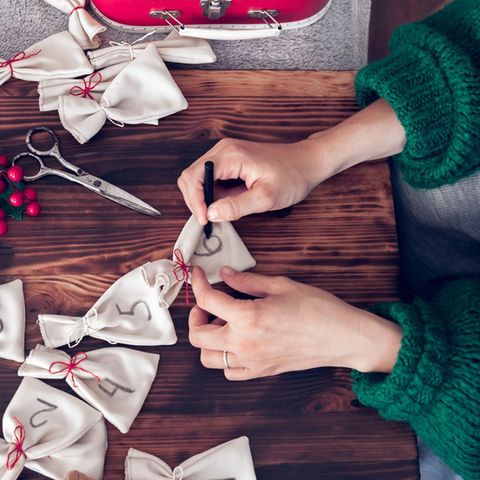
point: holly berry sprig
(16, 199)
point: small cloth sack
(134, 311)
(52, 433)
(229, 461)
(12, 321)
(173, 48)
(92, 87)
(58, 56)
(224, 248)
(83, 27)
(143, 92)
(114, 380)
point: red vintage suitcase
(212, 19)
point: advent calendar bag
(211, 19)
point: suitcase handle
(220, 34)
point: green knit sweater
(432, 81)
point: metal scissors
(79, 176)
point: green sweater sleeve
(435, 383)
(432, 80)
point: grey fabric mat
(338, 41)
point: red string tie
(89, 84)
(75, 361)
(182, 271)
(16, 451)
(80, 7)
(16, 58)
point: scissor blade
(117, 195)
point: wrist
(378, 344)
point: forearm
(372, 133)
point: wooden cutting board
(305, 425)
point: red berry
(2, 214)
(16, 199)
(3, 228)
(30, 194)
(4, 161)
(3, 186)
(15, 173)
(33, 209)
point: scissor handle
(42, 169)
(54, 150)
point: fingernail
(212, 214)
(228, 271)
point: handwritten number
(116, 386)
(133, 307)
(210, 251)
(50, 408)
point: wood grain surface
(305, 425)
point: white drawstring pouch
(224, 248)
(143, 92)
(114, 380)
(229, 461)
(83, 27)
(92, 87)
(173, 48)
(52, 433)
(12, 321)
(57, 56)
(133, 311)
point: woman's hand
(278, 175)
(275, 176)
(290, 327)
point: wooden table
(305, 425)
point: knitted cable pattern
(435, 384)
(432, 81)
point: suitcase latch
(214, 9)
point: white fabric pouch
(58, 56)
(133, 311)
(142, 92)
(114, 380)
(52, 433)
(12, 321)
(173, 48)
(83, 27)
(229, 461)
(92, 87)
(224, 248)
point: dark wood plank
(387, 15)
(301, 425)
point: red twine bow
(80, 7)
(17, 445)
(75, 361)
(16, 58)
(182, 271)
(93, 80)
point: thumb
(250, 283)
(233, 207)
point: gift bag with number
(133, 311)
(52, 433)
(224, 248)
(114, 380)
(12, 321)
(229, 461)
